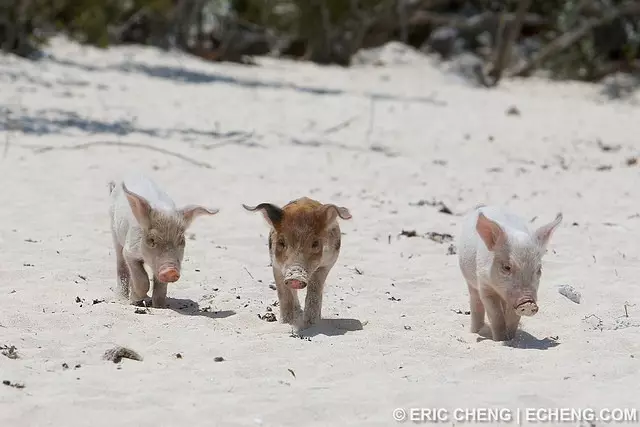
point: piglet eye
(539, 271)
(506, 268)
(182, 242)
(151, 242)
(315, 245)
(281, 244)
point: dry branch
(124, 144)
(506, 42)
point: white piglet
(147, 228)
(501, 261)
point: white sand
(415, 352)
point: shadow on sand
(189, 307)
(522, 340)
(183, 75)
(332, 327)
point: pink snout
(295, 284)
(526, 306)
(169, 274)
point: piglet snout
(295, 277)
(526, 307)
(169, 274)
(295, 284)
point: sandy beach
(394, 144)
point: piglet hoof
(159, 303)
(527, 308)
(144, 302)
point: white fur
(491, 289)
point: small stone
(570, 293)
(218, 359)
(513, 111)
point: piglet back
(145, 187)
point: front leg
(287, 299)
(493, 306)
(139, 280)
(159, 295)
(313, 301)
(511, 322)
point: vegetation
(574, 39)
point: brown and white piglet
(304, 244)
(147, 228)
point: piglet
(304, 244)
(501, 261)
(147, 228)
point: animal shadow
(332, 327)
(189, 307)
(522, 340)
(525, 340)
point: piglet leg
(313, 301)
(512, 319)
(122, 270)
(477, 310)
(493, 305)
(288, 299)
(159, 295)
(139, 280)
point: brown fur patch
(302, 214)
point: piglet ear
(191, 212)
(272, 213)
(332, 212)
(139, 206)
(544, 233)
(490, 232)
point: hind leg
(124, 276)
(477, 310)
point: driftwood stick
(506, 42)
(124, 144)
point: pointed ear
(490, 232)
(544, 233)
(139, 206)
(191, 212)
(331, 212)
(272, 213)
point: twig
(125, 144)
(626, 304)
(506, 42)
(371, 119)
(340, 126)
(249, 273)
(116, 33)
(401, 9)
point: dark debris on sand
(118, 353)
